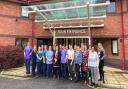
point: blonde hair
(101, 47)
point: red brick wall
(12, 24)
(40, 32)
(8, 8)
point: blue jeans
(77, 71)
(27, 64)
(49, 70)
(64, 70)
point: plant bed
(11, 57)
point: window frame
(113, 46)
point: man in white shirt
(93, 63)
(70, 56)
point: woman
(39, 56)
(101, 53)
(78, 62)
(93, 63)
(49, 62)
(85, 64)
(64, 62)
(56, 66)
(34, 58)
(70, 56)
(42, 60)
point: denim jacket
(78, 57)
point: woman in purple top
(27, 57)
(64, 62)
(49, 62)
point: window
(21, 42)
(114, 47)
(24, 12)
(112, 7)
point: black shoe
(103, 81)
(100, 80)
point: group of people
(66, 62)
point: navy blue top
(34, 56)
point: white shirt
(93, 59)
(70, 54)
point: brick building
(17, 29)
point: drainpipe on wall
(33, 27)
(122, 31)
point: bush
(11, 57)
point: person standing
(49, 62)
(56, 66)
(70, 56)
(93, 63)
(34, 58)
(27, 57)
(44, 62)
(85, 64)
(78, 62)
(59, 58)
(64, 62)
(101, 53)
(39, 56)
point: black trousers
(70, 68)
(57, 71)
(101, 69)
(33, 68)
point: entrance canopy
(70, 14)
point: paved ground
(39, 83)
(114, 79)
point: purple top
(27, 51)
(64, 56)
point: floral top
(85, 61)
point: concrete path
(114, 78)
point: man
(27, 57)
(70, 56)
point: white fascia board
(72, 19)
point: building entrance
(72, 41)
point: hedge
(11, 57)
